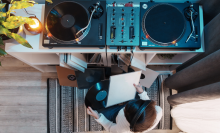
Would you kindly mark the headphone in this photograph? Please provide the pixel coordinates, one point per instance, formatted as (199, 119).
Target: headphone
(138, 114)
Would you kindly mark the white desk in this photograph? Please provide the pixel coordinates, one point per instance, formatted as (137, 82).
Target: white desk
(42, 58)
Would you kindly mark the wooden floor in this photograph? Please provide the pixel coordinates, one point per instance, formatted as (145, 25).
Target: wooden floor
(23, 98)
(23, 93)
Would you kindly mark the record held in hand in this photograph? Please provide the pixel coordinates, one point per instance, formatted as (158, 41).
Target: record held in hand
(65, 20)
(96, 96)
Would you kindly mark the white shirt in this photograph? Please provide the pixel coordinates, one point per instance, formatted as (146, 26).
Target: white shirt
(122, 125)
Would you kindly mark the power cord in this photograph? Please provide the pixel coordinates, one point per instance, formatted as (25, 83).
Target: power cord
(106, 53)
(29, 13)
(132, 55)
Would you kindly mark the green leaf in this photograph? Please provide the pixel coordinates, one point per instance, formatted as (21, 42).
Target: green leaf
(2, 14)
(2, 19)
(49, 1)
(2, 52)
(16, 21)
(20, 5)
(30, 1)
(20, 18)
(1, 41)
(4, 31)
(2, 6)
(20, 40)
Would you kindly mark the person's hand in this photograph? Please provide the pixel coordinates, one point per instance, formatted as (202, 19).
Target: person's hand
(93, 113)
(139, 88)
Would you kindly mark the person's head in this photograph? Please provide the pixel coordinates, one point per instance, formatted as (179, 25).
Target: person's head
(147, 118)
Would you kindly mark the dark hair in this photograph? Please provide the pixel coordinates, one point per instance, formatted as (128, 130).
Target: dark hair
(146, 120)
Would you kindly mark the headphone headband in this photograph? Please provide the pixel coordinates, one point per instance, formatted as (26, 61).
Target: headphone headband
(139, 113)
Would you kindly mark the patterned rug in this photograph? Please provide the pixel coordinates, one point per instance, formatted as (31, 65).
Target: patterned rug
(67, 112)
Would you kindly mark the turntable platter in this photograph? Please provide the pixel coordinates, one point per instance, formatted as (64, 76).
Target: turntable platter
(163, 24)
(66, 19)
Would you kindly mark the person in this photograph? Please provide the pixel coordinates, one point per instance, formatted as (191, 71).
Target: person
(117, 119)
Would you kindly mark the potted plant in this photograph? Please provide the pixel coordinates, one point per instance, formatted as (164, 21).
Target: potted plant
(9, 23)
(165, 56)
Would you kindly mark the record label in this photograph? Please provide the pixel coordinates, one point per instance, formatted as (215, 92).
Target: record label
(101, 95)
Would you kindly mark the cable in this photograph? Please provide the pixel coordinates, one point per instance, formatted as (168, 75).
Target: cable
(131, 55)
(28, 13)
(87, 24)
(106, 54)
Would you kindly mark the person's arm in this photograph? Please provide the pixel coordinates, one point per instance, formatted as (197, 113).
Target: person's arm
(108, 125)
(101, 119)
(142, 94)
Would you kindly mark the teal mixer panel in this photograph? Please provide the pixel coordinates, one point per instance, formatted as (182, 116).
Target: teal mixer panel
(122, 26)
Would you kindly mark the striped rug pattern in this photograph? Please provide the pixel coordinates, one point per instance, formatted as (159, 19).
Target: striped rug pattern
(67, 112)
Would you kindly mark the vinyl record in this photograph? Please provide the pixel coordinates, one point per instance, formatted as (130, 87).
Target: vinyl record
(163, 24)
(96, 96)
(90, 77)
(65, 20)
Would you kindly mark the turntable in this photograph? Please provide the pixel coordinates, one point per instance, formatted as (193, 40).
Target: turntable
(74, 24)
(173, 25)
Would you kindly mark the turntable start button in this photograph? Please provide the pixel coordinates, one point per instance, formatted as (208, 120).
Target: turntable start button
(67, 21)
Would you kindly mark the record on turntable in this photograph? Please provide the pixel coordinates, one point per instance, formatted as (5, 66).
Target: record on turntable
(64, 24)
(163, 24)
(74, 24)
